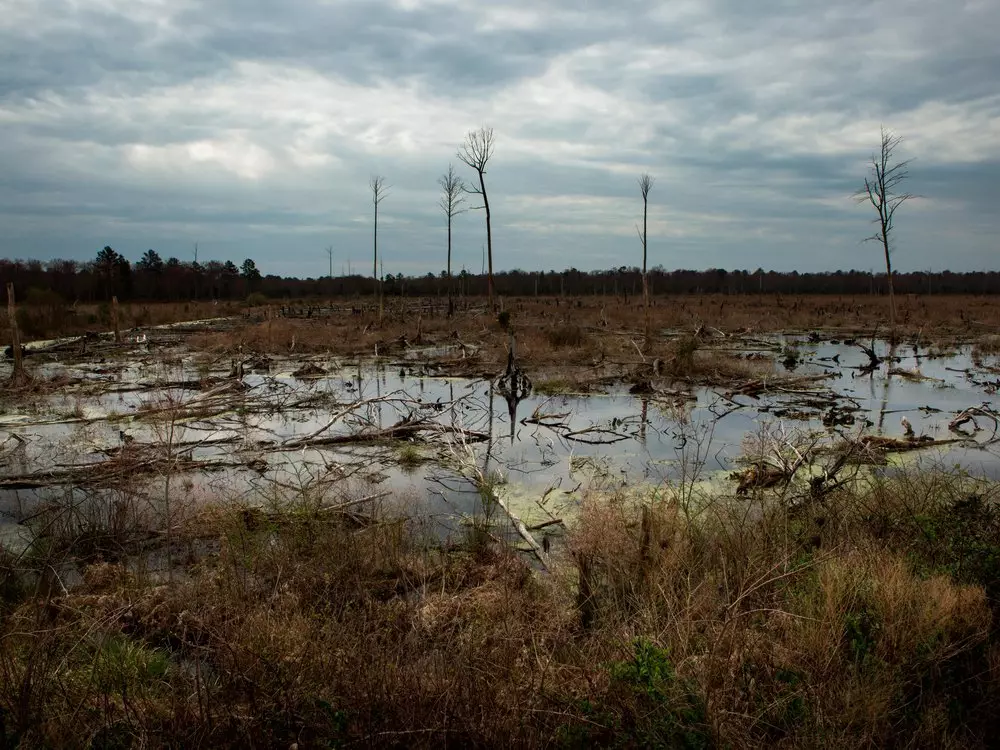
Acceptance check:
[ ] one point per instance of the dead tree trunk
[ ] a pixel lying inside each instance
(645, 184)
(18, 376)
(114, 319)
(476, 153)
(883, 190)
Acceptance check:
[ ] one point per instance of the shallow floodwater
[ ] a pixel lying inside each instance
(541, 457)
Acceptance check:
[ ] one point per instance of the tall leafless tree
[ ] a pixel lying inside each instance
(451, 202)
(645, 185)
(379, 191)
(476, 152)
(883, 190)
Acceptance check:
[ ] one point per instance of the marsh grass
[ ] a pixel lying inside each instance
(409, 457)
(566, 335)
(987, 346)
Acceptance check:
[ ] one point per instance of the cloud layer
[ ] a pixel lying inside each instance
(252, 128)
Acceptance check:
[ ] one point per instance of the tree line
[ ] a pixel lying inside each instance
(152, 279)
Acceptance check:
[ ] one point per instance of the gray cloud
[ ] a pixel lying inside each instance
(252, 127)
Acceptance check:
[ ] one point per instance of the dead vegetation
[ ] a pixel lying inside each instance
(858, 621)
(813, 602)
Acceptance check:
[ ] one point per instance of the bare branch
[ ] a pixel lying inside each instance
(646, 181)
(477, 150)
(452, 187)
(378, 187)
(880, 189)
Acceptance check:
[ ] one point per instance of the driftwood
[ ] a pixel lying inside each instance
(109, 472)
(760, 476)
(969, 416)
(876, 446)
(404, 429)
(522, 530)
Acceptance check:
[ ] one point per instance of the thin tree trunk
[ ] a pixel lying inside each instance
(645, 275)
(489, 239)
(18, 376)
(892, 300)
(451, 304)
(375, 253)
(114, 319)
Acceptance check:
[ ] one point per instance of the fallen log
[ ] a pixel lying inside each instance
(399, 431)
(108, 472)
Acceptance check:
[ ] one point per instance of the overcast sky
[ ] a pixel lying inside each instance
(252, 128)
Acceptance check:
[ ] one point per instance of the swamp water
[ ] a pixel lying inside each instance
(280, 437)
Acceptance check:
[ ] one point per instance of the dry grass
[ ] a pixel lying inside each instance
(44, 322)
(868, 620)
(587, 331)
(987, 345)
(566, 321)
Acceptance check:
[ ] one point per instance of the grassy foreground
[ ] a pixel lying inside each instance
(867, 620)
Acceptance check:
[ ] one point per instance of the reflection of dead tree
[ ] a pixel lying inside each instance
(514, 385)
(873, 359)
(592, 435)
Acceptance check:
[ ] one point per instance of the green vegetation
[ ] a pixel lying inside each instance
(409, 457)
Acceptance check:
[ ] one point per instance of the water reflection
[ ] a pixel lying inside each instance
(563, 442)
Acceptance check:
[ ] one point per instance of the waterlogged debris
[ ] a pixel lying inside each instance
(271, 427)
(760, 476)
(309, 370)
(914, 375)
(968, 416)
(127, 464)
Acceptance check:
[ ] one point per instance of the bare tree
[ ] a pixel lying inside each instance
(645, 185)
(476, 152)
(451, 202)
(882, 190)
(379, 191)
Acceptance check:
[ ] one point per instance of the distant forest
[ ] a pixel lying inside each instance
(153, 279)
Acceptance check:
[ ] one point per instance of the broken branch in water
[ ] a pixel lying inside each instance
(400, 430)
(969, 415)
